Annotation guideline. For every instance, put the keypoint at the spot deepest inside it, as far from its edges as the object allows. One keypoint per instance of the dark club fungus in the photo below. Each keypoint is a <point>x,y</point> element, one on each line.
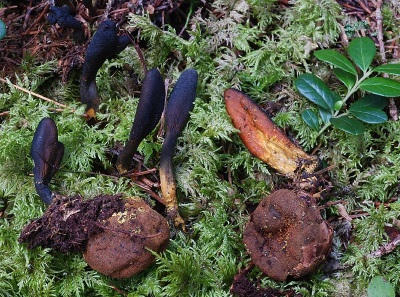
<point>64,17</point>
<point>148,114</point>
<point>177,114</point>
<point>104,45</point>
<point>47,153</point>
<point>115,234</point>
<point>286,235</point>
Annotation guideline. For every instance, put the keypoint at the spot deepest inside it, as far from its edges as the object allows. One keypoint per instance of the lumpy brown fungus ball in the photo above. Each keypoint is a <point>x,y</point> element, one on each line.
<point>122,250</point>
<point>286,235</point>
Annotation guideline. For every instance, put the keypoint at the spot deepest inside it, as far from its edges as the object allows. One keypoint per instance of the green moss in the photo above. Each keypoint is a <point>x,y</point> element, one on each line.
<point>251,45</point>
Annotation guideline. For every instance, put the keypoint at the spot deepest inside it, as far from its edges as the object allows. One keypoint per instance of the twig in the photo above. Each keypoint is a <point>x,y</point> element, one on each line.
<point>34,94</point>
<point>394,113</point>
<point>146,188</point>
<point>386,248</point>
<point>4,113</point>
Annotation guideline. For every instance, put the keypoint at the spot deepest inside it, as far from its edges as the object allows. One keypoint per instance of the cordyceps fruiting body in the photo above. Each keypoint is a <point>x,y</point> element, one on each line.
<point>64,17</point>
<point>47,153</point>
<point>115,233</point>
<point>104,45</point>
<point>177,114</point>
<point>148,114</point>
<point>286,235</point>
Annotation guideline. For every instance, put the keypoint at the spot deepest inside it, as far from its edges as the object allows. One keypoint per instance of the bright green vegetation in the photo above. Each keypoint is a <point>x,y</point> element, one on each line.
<point>367,109</point>
<point>254,45</point>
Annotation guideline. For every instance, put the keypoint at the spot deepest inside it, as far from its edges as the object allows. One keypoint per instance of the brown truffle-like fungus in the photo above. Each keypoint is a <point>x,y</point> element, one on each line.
<point>122,250</point>
<point>263,138</point>
<point>286,235</point>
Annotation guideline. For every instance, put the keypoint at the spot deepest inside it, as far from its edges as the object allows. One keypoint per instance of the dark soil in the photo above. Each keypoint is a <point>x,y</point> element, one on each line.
<point>69,222</point>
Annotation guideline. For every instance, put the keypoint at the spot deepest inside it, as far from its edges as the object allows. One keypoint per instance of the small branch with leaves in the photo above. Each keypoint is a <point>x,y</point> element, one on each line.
<point>356,75</point>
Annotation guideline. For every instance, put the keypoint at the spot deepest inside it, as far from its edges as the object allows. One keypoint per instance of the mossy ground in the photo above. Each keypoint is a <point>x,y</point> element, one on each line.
<point>258,46</point>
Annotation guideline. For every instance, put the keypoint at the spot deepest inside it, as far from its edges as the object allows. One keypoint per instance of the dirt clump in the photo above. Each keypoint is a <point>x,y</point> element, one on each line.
<point>286,235</point>
<point>69,221</point>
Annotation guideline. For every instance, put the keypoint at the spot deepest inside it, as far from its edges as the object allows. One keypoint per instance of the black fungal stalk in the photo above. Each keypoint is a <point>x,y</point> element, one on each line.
<point>47,153</point>
<point>148,114</point>
<point>177,114</point>
<point>104,45</point>
<point>64,17</point>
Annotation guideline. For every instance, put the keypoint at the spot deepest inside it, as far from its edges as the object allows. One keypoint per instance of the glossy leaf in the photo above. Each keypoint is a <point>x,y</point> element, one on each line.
<point>380,287</point>
<point>345,77</point>
<point>369,115</point>
<point>311,118</point>
<point>3,29</point>
<point>362,51</point>
<point>388,68</point>
<point>336,59</point>
<point>314,89</point>
<point>326,115</point>
<point>370,100</point>
<point>349,125</point>
<point>381,86</point>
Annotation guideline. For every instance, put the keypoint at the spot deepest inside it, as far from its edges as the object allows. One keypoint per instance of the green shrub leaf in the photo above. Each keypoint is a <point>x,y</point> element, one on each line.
<point>370,100</point>
<point>325,115</point>
<point>381,86</point>
<point>3,29</point>
<point>369,115</point>
<point>345,77</point>
<point>311,118</point>
<point>314,89</point>
<point>349,125</point>
<point>336,59</point>
<point>362,51</point>
<point>388,68</point>
<point>379,287</point>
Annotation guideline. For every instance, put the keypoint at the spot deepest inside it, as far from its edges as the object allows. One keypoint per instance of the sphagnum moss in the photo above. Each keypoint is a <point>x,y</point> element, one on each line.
<point>216,176</point>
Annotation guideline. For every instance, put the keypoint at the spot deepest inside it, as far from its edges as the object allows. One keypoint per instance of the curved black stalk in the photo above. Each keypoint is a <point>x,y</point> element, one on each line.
<point>177,114</point>
<point>64,17</point>
<point>47,153</point>
<point>89,5</point>
<point>104,45</point>
<point>148,114</point>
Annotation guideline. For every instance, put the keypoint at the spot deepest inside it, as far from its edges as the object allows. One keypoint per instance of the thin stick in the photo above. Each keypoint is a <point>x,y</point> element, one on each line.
<point>34,94</point>
<point>386,248</point>
<point>394,114</point>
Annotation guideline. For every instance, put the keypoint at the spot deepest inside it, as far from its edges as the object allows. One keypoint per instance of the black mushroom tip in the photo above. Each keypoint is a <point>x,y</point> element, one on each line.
<point>64,16</point>
<point>105,44</point>
<point>47,153</point>
<point>177,113</point>
<point>89,5</point>
<point>148,114</point>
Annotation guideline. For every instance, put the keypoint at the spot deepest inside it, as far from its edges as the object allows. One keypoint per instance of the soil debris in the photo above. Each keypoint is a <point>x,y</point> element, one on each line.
<point>69,222</point>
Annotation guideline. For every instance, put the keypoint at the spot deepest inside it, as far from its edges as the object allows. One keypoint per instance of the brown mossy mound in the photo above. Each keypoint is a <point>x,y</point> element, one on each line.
<point>286,235</point>
<point>122,250</point>
<point>68,222</point>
